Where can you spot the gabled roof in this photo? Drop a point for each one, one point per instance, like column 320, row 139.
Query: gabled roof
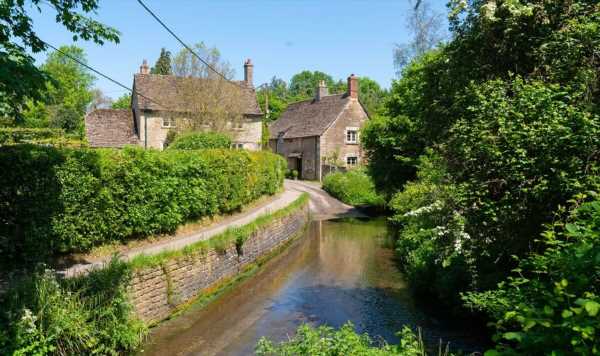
column 110, row 128
column 166, row 90
column 310, row 117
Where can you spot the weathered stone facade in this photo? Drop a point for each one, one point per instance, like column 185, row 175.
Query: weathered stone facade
column 313, row 134
column 156, row 292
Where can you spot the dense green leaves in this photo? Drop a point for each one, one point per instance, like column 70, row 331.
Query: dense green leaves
column 354, row 187
column 20, row 79
column 200, row 140
column 56, row 201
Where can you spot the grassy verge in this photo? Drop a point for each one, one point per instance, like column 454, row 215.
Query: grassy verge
column 220, row 242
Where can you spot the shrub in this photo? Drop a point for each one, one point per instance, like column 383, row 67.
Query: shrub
column 87, row 315
column 354, row 187
column 550, row 305
column 325, row 340
column 65, row 200
column 9, row 136
column 200, row 141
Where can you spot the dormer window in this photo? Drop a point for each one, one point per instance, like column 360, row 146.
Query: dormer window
column 352, row 135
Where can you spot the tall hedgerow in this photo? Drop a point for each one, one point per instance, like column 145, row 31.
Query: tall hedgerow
column 200, row 140
column 64, row 200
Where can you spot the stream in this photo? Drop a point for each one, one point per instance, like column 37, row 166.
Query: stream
column 340, row 270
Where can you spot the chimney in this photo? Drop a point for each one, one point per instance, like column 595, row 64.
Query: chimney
column 322, row 90
column 144, row 69
column 248, row 73
column 353, row 86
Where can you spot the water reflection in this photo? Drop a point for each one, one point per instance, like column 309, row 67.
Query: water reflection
column 341, row 270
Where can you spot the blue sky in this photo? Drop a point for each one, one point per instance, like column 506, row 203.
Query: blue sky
column 281, row 37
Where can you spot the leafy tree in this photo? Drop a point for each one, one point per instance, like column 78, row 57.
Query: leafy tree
column 123, row 102
column 304, row 84
column 371, row 95
column 19, row 77
column 163, row 63
column 68, row 94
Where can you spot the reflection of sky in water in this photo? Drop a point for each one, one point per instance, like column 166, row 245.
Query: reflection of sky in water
column 339, row 272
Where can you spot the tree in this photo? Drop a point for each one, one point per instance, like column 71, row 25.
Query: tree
column 68, row 92
column 424, row 25
column 371, row 95
column 99, row 100
column 304, row 84
column 123, row 102
column 163, row 63
column 19, row 77
column 212, row 101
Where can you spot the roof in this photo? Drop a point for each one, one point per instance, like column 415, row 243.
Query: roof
column 165, row 90
column 310, row 117
column 110, row 128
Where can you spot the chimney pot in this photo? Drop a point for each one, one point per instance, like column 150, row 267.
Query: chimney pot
column 249, row 73
column 144, row 69
column 322, row 90
column 353, row 86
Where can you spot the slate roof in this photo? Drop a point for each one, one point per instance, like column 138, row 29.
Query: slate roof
column 310, row 117
column 110, row 128
column 164, row 90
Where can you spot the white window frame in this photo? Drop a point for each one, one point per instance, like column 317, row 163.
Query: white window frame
column 347, row 132
column 348, row 164
column 168, row 122
column 237, row 146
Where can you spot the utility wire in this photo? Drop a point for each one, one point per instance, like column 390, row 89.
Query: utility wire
column 186, row 46
column 102, row 74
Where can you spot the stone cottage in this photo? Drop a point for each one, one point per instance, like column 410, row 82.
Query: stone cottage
column 321, row 134
column 147, row 122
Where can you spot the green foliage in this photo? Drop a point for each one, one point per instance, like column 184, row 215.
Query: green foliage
column 326, row 341
column 20, row 79
column 551, row 302
column 354, row 187
column 370, row 94
column 200, row 141
column 10, row 136
column 87, row 315
column 163, row 63
column 64, row 200
column 306, row 82
column 123, row 102
column 68, row 92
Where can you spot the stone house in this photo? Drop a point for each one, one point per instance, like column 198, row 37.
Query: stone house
column 148, row 122
column 321, row 134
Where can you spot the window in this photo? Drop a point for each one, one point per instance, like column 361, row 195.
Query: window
column 237, row 146
column 168, row 121
column 351, row 161
column 351, row 135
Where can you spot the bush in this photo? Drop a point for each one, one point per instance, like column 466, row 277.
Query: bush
column 354, row 187
column 10, row 136
column 87, row 315
column 325, row 340
column 550, row 305
column 200, row 141
column 66, row 200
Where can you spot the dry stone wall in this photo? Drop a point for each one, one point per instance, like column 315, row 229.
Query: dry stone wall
column 157, row 291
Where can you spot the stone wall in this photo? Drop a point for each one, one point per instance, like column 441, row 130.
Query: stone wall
column 157, row 291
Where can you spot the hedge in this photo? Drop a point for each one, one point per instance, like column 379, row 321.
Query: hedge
column 200, row 140
column 66, row 200
column 13, row 135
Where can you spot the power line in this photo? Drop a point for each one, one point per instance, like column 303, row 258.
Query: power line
column 102, row 74
column 186, row 46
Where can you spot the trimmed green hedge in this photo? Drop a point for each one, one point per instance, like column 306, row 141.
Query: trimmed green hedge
column 13, row 135
column 66, row 200
column 354, row 187
column 201, row 140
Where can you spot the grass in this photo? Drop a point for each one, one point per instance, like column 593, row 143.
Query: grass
column 221, row 242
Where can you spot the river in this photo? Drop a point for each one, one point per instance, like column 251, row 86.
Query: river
column 340, row 270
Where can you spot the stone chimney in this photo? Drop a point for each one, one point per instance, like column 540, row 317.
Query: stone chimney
column 322, row 90
column 353, row 86
column 248, row 73
column 144, row 69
